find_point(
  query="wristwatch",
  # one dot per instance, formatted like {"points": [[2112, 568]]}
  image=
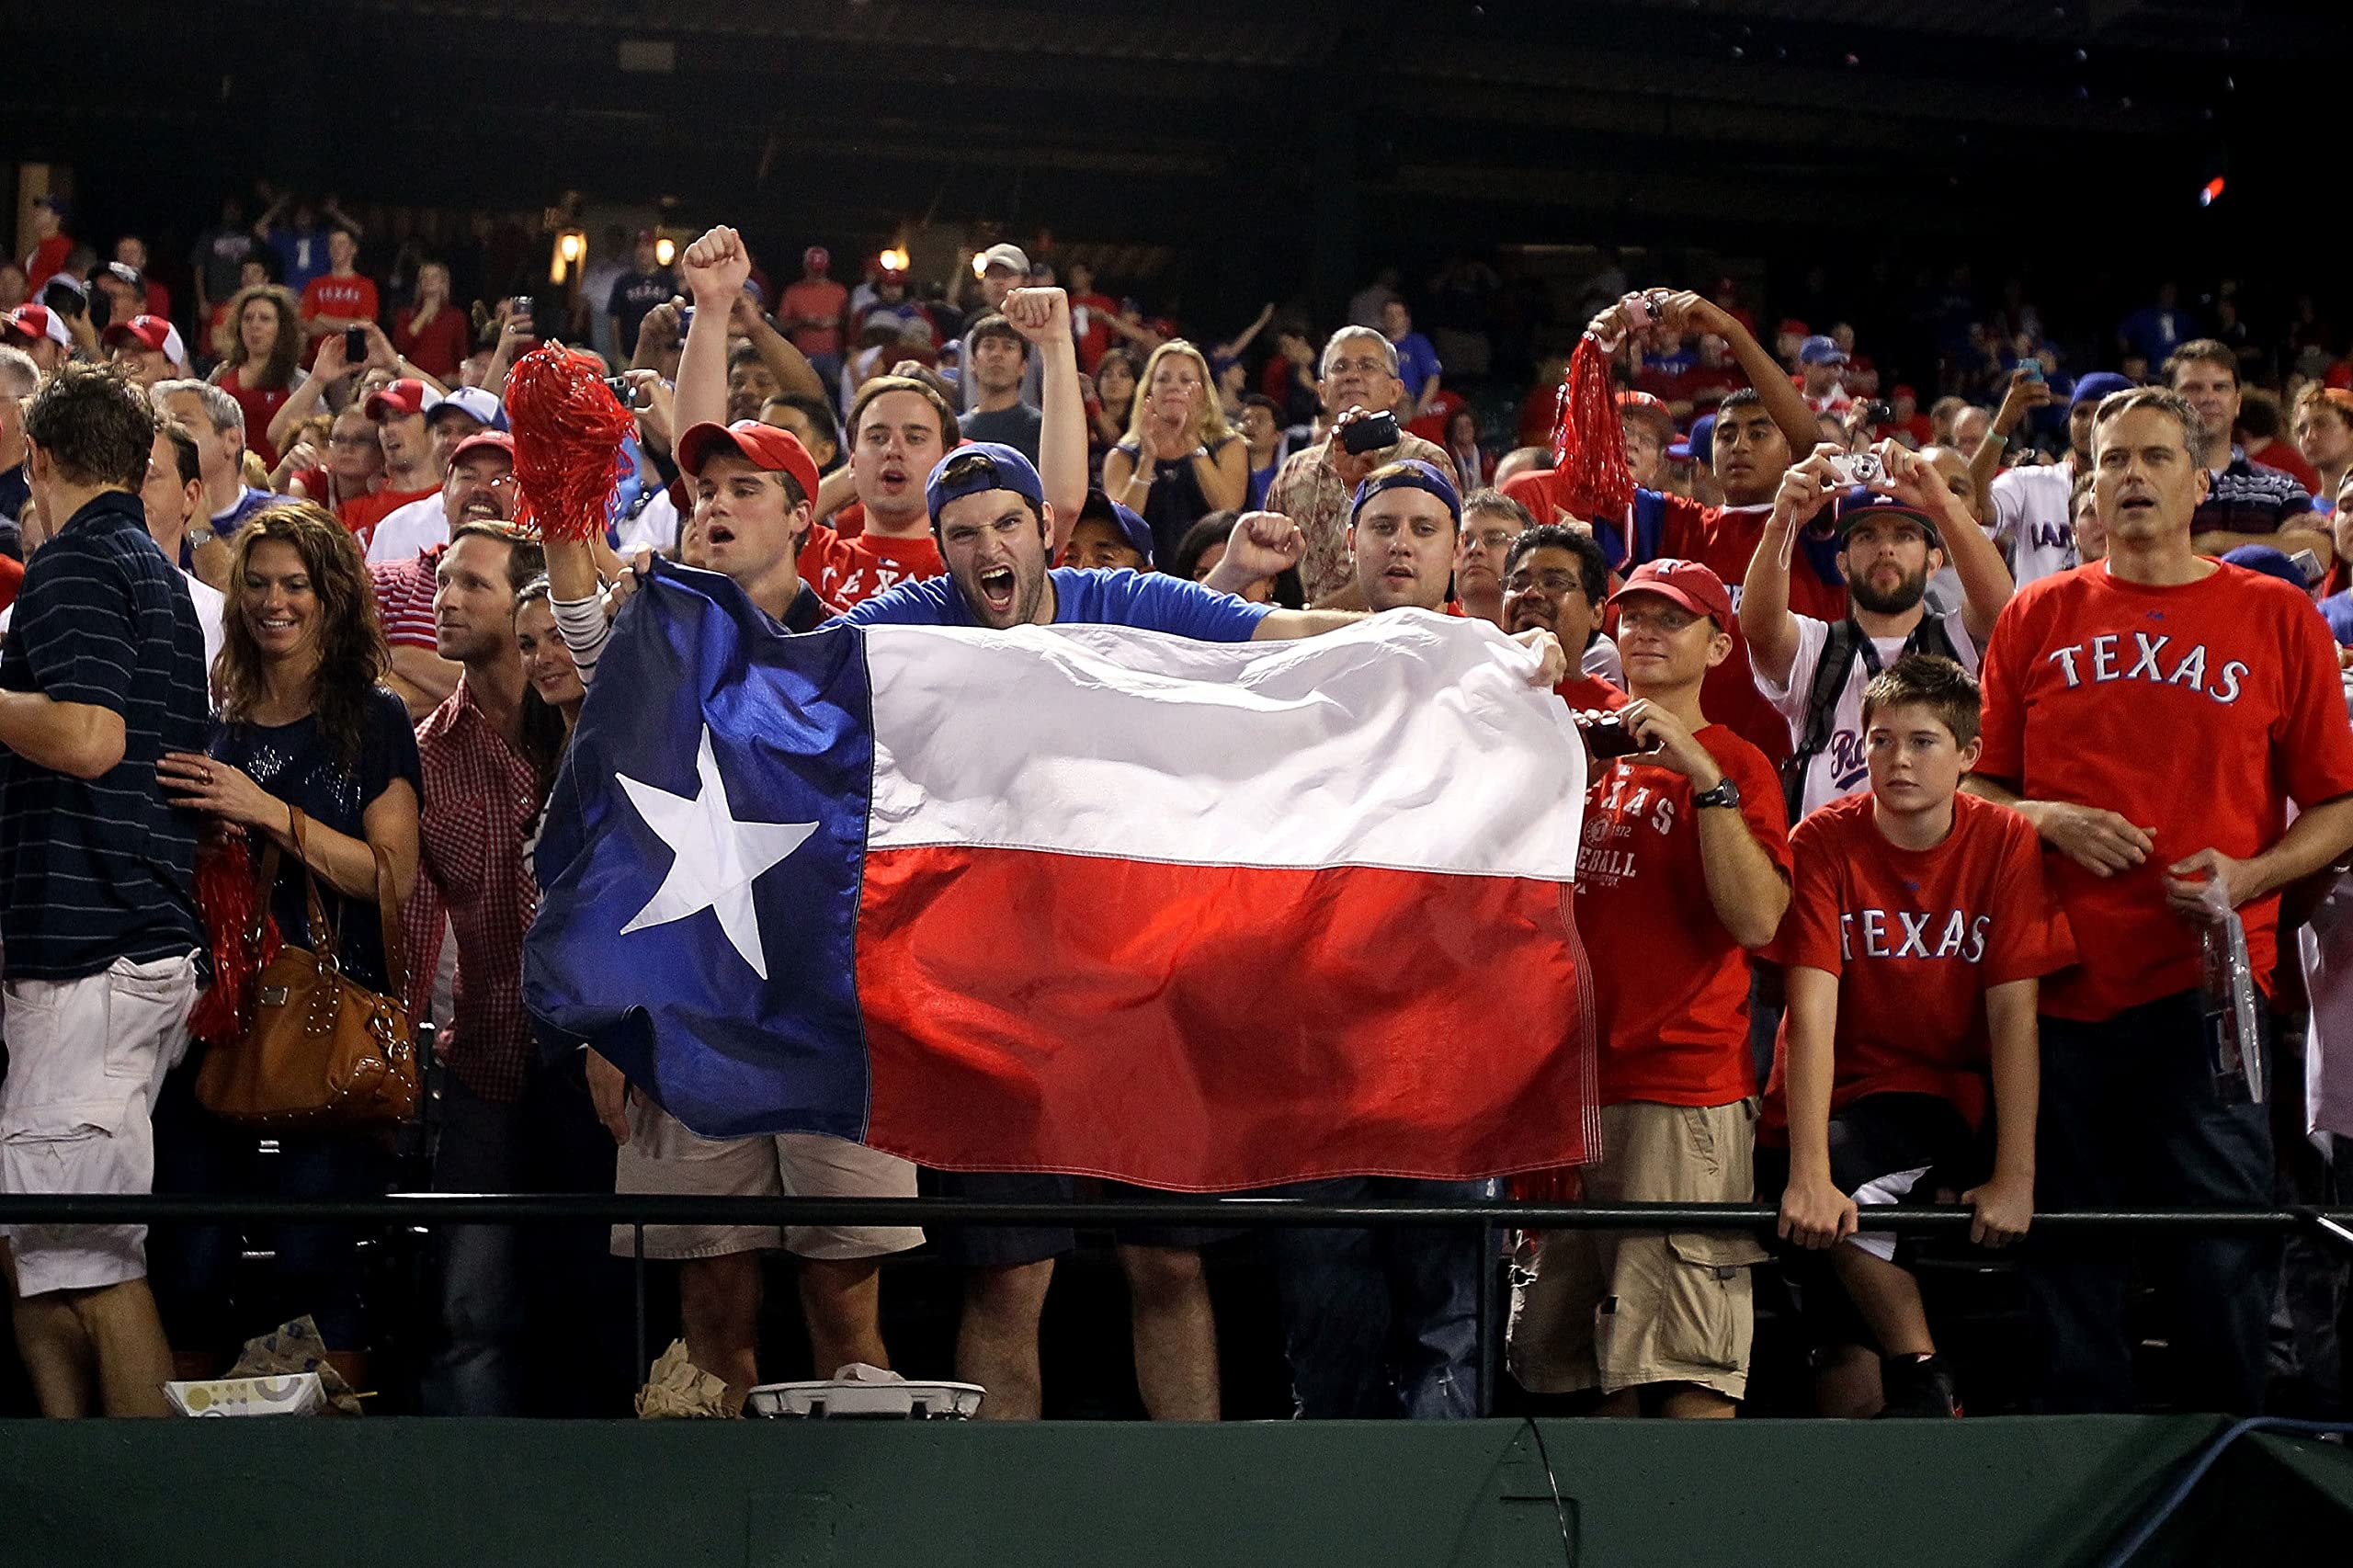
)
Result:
{"points": [[1725, 793]]}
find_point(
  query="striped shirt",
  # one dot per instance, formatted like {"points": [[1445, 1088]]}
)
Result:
{"points": [[2250, 499], [100, 870]]}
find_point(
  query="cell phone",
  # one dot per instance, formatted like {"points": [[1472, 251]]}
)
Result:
{"points": [[685, 319], [520, 305], [1880, 414], [2308, 563], [2030, 369], [355, 345], [623, 390], [1606, 735], [1370, 435]]}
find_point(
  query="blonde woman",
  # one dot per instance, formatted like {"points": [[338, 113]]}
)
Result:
{"points": [[1180, 461]]}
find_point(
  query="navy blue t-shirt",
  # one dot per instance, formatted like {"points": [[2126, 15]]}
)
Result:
{"points": [[295, 763], [99, 869], [1083, 596]]}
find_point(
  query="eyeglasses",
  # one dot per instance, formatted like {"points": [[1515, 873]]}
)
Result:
{"points": [[1492, 538], [1367, 366], [351, 443], [1666, 618]]}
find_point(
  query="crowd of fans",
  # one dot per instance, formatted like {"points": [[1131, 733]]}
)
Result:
{"points": [[1928, 744]]}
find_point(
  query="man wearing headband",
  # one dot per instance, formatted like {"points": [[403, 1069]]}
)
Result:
{"points": [[1402, 528]]}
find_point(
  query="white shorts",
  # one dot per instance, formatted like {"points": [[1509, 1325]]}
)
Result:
{"points": [[665, 1156], [85, 1060]]}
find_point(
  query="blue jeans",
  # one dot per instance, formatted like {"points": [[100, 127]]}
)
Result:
{"points": [[2130, 1118], [1382, 1324], [477, 1148]]}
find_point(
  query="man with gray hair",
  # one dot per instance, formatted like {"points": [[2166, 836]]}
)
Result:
{"points": [[217, 423], [1357, 380]]}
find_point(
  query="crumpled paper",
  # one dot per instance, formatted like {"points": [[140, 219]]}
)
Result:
{"points": [[296, 1347], [677, 1389]]}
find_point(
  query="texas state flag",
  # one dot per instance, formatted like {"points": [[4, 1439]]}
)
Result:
{"points": [[1080, 898]]}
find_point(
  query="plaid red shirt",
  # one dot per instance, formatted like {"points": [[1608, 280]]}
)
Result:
{"points": [[480, 797]]}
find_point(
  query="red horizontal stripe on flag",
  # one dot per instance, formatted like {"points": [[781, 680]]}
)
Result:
{"points": [[1206, 1028]]}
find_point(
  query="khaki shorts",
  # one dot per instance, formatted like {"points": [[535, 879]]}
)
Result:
{"points": [[85, 1060], [1619, 1309], [663, 1156]]}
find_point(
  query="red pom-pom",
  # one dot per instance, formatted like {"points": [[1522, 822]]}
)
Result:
{"points": [[1588, 450], [569, 429], [224, 896]]}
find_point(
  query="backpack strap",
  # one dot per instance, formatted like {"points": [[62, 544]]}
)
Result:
{"points": [[1839, 650]]}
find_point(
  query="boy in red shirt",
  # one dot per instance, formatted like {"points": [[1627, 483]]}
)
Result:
{"points": [[2153, 715], [339, 298], [1920, 929], [1684, 872]]}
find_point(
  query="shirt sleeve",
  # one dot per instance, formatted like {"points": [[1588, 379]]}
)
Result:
{"points": [[390, 750], [1809, 932], [2313, 741], [2009, 505], [920, 603], [2030, 936], [1789, 700], [2002, 721], [75, 618], [584, 630], [404, 600], [1181, 606]]}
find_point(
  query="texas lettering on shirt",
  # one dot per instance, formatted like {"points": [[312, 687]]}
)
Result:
{"points": [[1901, 933], [2107, 656]]}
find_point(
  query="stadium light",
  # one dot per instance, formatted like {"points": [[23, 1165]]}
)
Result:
{"points": [[664, 249]]}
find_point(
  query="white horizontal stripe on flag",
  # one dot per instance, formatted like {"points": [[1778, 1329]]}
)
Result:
{"points": [[1411, 741]]}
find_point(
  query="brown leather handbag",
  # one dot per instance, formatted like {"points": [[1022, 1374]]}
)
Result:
{"points": [[322, 1051]]}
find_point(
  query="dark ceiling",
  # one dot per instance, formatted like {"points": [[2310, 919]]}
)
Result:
{"points": [[1307, 135]]}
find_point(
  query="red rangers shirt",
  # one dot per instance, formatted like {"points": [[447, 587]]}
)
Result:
{"points": [[1916, 938], [2197, 711], [848, 572], [1670, 985]]}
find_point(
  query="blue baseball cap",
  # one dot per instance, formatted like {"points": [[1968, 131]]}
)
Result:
{"points": [[1821, 349], [1130, 524], [1861, 504], [2270, 562], [2095, 386], [981, 466], [1702, 441], [1408, 473]]}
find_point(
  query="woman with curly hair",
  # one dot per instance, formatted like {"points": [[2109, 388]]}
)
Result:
{"points": [[1180, 462], [305, 721], [261, 361]]}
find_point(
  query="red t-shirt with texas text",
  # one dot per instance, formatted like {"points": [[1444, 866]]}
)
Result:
{"points": [[2197, 711], [1916, 938], [1670, 986], [848, 572], [328, 295]]}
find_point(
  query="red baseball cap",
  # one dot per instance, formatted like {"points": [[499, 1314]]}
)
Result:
{"points": [[1649, 407], [483, 441], [404, 397], [153, 333], [1686, 583], [1795, 327], [763, 446], [38, 321]]}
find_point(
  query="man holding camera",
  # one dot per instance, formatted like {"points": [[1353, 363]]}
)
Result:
{"points": [[1359, 384]]}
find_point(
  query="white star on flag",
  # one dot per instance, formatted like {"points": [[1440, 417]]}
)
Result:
{"points": [[716, 857]]}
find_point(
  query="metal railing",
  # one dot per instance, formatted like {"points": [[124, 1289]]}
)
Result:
{"points": [[431, 1210]]}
